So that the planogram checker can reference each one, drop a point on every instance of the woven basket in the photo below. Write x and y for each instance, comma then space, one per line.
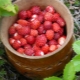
40, 66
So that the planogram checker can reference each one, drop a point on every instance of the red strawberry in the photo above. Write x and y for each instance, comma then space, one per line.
35, 47
29, 52
56, 36
17, 36
11, 40
55, 16
53, 42
35, 9
12, 30
41, 40
29, 14
41, 29
20, 50
39, 53
50, 34
56, 27
27, 46
45, 48
47, 25
48, 16
52, 48
61, 31
24, 30
22, 14
16, 44
33, 32
41, 18
31, 39
34, 16
50, 9
61, 22
23, 22
23, 41
61, 40
35, 24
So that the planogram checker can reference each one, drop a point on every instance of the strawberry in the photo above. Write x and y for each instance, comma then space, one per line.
39, 53
41, 40
12, 30
11, 40
35, 24
24, 31
56, 36
20, 50
50, 9
41, 18
23, 41
35, 10
16, 44
52, 48
56, 27
55, 16
45, 48
50, 34
61, 31
61, 22
22, 14
33, 32
27, 46
48, 16
47, 25
31, 39
35, 47
29, 51
34, 16
61, 40
29, 14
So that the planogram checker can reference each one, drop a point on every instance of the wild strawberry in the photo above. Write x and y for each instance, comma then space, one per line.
50, 34
22, 14
41, 29
27, 46
29, 14
35, 47
17, 36
16, 44
35, 24
61, 40
33, 32
47, 25
56, 36
29, 51
50, 9
35, 9
58, 46
23, 41
39, 53
24, 30
52, 48
31, 39
48, 16
45, 48
20, 50
55, 16
41, 18
12, 30
61, 22
41, 40
56, 27
23, 22
53, 42
11, 40
61, 31
34, 16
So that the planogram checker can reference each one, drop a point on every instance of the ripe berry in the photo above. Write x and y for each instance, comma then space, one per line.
52, 48
31, 39
35, 47
11, 40
29, 52
27, 46
55, 16
41, 40
56, 36
41, 18
50, 34
56, 27
48, 16
50, 9
34, 16
29, 14
61, 31
23, 41
39, 53
47, 25
33, 32
22, 14
20, 50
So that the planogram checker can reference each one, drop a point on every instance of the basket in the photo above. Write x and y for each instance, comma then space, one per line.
40, 66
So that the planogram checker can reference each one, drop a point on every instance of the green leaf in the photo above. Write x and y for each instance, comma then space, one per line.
69, 71
77, 3
1, 52
2, 73
1, 62
53, 78
76, 46
76, 62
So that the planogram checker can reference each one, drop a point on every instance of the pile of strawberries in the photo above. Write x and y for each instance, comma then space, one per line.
37, 32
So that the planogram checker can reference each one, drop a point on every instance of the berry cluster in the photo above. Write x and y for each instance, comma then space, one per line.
37, 32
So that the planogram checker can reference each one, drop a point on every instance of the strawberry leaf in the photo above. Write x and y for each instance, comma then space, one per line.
69, 71
53, 78
76, 47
